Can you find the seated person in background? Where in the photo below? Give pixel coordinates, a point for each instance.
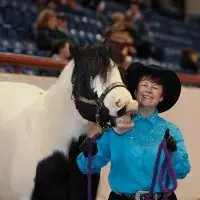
(117, 17)
(121, 44)
(62, 31)
(138, 19)
(94, 4)
(189, 60)
(60, 51)
(48, 30)
(54, 4)
(45, 29)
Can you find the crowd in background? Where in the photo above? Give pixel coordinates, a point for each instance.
(128, 31)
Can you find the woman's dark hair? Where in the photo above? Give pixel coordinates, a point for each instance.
(57, 46)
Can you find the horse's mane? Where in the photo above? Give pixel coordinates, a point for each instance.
(90, 62)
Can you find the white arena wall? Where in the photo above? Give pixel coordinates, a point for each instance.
(185, 115)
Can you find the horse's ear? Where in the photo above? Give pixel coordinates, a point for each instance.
(115, 58)
(75, 51)
(110, 52)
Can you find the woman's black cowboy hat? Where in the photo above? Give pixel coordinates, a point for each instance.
(170, 80)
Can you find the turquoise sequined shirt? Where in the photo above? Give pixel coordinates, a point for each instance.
(133, 154)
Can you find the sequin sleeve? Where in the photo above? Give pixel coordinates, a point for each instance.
(180, 160)
(100, 159)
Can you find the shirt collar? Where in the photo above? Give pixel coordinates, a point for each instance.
(151, 118)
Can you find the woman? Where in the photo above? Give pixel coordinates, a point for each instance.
(189, 60)
(61, 52)
(133, 154)
(45, 29)
(121, 43)
(48, 30)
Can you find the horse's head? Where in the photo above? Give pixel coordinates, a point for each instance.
(99, 87)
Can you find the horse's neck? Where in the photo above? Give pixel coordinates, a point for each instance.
(62, 120)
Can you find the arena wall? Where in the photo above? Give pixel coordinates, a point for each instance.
(185, 115)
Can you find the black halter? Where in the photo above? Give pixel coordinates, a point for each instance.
(101, 114)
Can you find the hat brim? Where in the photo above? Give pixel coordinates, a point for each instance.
(172, 84)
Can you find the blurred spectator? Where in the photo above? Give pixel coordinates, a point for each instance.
(94, 4)
(189, 60)
(138, 20)
(54, 4)
(145, 49)
(117, 17)
(47, 30)
(134, 10)
(70, 3)
(60, 51)
(121, 44)
(62, 30)
(145, 5)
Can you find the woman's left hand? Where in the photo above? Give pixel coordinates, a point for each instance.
(171, 143)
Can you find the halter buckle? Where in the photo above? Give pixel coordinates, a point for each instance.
(97, 118)
(140, 194)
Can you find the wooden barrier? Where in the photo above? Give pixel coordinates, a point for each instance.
(19, 60)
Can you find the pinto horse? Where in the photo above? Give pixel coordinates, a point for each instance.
(40, 130)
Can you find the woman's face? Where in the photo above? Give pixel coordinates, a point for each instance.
(194, 57)
(52, 23)
(149, 93)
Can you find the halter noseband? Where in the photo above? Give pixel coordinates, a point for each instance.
(99, 102)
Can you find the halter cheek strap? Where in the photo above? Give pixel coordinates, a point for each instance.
(99, 104)
(102, 97)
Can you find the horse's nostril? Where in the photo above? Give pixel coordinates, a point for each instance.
(119, 103)
(121, 112)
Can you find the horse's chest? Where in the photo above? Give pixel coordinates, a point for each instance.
(51, 180)
(58, 177)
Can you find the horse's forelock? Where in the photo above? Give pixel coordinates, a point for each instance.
(90, 62)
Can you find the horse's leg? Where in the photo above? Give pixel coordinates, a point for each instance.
(77, 181)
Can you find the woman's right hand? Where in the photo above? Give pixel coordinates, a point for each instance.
(170, 142)
(88, 147)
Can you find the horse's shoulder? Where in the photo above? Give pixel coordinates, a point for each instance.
(17, 87)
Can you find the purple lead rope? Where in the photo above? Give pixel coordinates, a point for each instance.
(94, 139)
(167, 165)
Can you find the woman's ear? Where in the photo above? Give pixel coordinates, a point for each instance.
(161, 99)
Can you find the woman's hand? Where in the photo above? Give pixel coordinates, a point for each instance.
(88, 147)
(171, 143)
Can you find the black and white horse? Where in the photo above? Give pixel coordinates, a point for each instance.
(40, 130)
